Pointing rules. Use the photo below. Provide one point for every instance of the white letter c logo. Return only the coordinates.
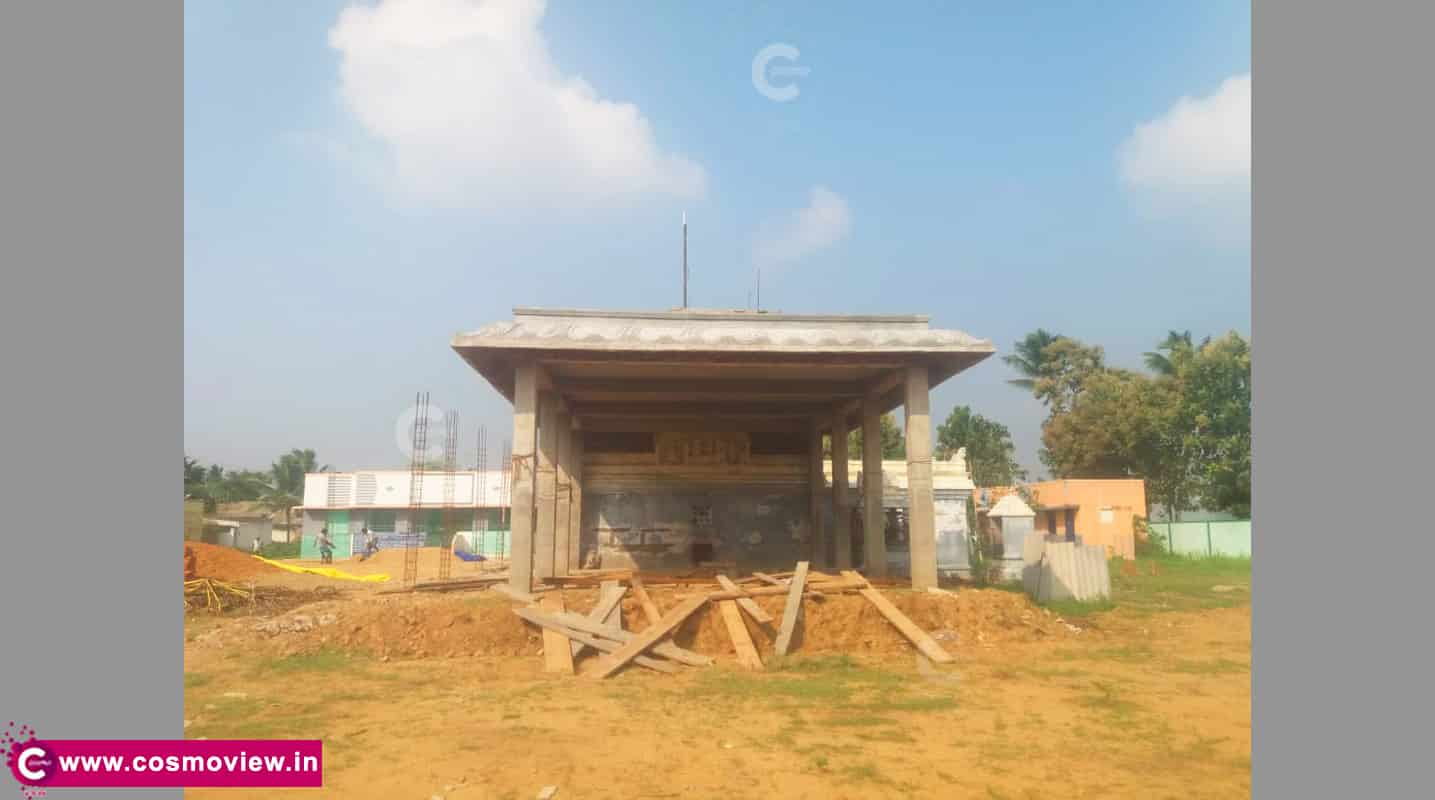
(22, 763)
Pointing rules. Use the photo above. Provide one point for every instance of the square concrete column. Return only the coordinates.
(563, 486)
(575, 497)
(520, 520)
(921, 509)
(546, 486)
(874, 518)
(817, 484)
(841, 512)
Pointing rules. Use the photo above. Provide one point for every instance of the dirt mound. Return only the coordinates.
(849, 623)
(225, 563)
(422, 626)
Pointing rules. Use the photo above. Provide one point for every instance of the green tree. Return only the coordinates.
(1028, 356)
(279, 500)
(287, 474)
(1214, 422)
(1063, 373)
(991, 456)
(1172, 353)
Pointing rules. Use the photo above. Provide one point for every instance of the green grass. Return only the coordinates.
(1182, 584)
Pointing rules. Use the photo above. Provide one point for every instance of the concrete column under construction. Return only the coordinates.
(841, 512)
(874, 517)
(817, 484)
(575, 497)
(545, 489)
(563, 486)
(525, 407)
(921, 520)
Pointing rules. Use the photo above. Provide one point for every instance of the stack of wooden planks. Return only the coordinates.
(568, 635)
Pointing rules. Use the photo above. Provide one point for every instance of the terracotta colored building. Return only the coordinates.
(1098, 510)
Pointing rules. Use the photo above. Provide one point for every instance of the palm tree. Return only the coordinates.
(1172, 350)
(278, 500)
(291, 467)
(1029, 357)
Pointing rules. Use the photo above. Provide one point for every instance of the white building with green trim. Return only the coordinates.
(470, 503)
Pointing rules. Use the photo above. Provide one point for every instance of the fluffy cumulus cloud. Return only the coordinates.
(1200, 143)
(470, 110)
(822, 223)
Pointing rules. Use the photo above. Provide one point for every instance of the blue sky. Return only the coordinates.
(363, 180)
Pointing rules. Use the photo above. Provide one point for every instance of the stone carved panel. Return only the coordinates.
(678, 449)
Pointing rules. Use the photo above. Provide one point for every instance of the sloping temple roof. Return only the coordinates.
(765, 360)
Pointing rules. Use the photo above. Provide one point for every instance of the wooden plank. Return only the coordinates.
(792, 610)
(811, 590)
(925, 643)
(610, 601)
(650, 609)
(616, 660)
(548, 623)
(747, 655)
(765, 578)
(746, 603)
(557, 652)
(667, 650)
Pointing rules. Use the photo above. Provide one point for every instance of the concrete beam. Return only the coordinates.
(841, 512)
(921, 511)
(525, 426)
(874, 517)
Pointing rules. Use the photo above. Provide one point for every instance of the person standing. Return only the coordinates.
(326, 546)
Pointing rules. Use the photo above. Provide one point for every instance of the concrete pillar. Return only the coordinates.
(546, 488)
(874, 518)
(921, 519)
(841, 512)
(563, 486)
(817, 484)
(525, 426)
(575, 498)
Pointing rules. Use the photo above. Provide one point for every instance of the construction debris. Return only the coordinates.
(568, 634)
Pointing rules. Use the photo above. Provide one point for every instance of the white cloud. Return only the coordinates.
(1200, 144)
(825, 221)
(472, 111)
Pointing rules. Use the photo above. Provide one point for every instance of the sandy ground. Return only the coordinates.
(1136, 703)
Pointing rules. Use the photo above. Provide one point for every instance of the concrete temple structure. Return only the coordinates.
(662, 440)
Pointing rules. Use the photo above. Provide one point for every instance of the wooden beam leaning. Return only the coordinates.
(650, 609)
(747, 604)
(607, 611)
(667, 650)
(768, 579)
(557, 652)
(616, 660)
(792, 610)
(747, 656)
(914, 633)
(549, 623)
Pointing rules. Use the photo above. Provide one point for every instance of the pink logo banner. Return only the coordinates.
(154, 763)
